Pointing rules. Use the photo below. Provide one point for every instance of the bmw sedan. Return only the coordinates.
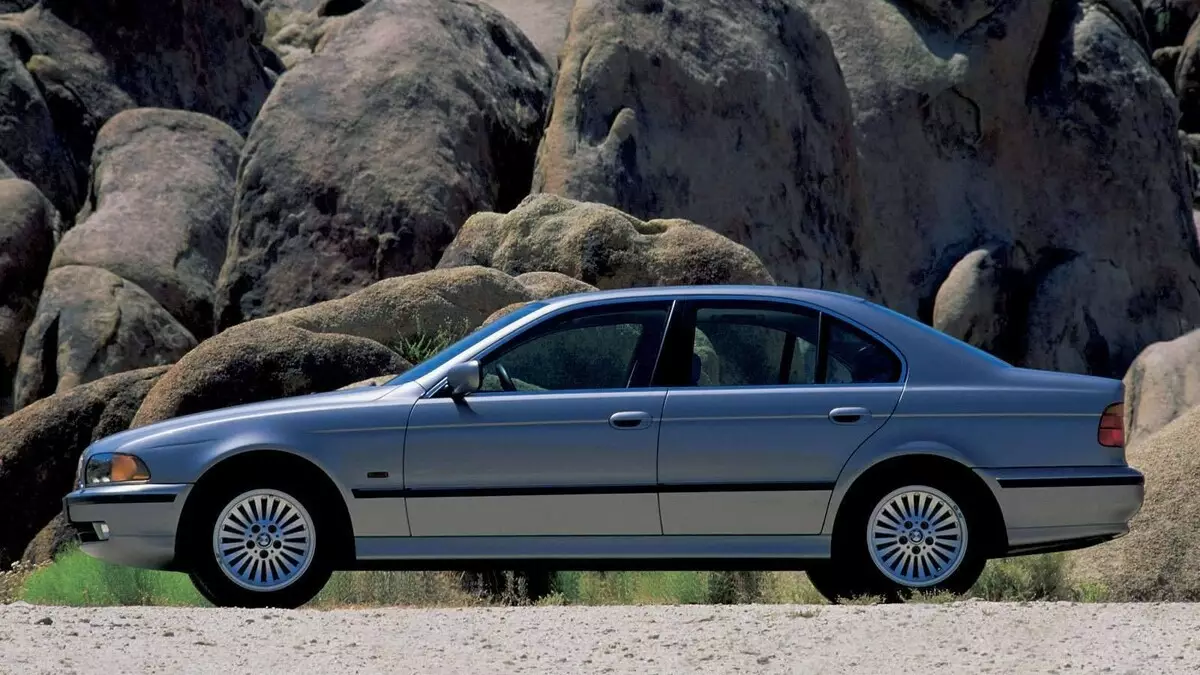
(658, 428)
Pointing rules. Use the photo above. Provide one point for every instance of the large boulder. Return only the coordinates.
(544, 21)
(159, 205)
(30, 147)
(601, 246)
(1162, 383)
(27, 232)
(543, 285)
(40, 447)
(441, 304)
(1036, 126)
(412, 115)
(90, 60)
(260, 361)
(1159, 560)
(729, 114)
(91, 323)
(1187, 81)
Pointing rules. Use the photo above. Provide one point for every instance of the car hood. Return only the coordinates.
(198, 427)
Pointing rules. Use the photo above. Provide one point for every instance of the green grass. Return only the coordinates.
(77, 579)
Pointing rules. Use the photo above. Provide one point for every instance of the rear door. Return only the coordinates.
(768, 401)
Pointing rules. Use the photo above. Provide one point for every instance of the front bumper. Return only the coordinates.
(128, 524)
(1065, 507)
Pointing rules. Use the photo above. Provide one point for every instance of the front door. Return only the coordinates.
(562, 439)
(778, 398)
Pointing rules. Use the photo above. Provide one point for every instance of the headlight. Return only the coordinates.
(113, 467)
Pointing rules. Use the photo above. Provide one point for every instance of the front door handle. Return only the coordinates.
(629, 420)
(849, 415)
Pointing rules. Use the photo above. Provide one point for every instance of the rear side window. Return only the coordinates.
(857, 358)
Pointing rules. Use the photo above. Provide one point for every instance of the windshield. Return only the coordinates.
(437, 360)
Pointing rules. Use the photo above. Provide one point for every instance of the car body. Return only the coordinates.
(704, 427)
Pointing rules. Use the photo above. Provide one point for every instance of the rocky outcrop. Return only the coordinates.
(1162, 383)
(440, 303)
(30, 147)
(368, 156)
(729, 114)
(544, 21)
(28, 225)
(40, 447)
(259, 361)
(79, 63)
(976, 301)
(601, 246)
(91, 323)
(543, 285)
(159, 205)
(1159, 560)
(1040, 127)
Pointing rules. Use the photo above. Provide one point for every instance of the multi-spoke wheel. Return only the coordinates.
(909, 534)
(263, 546)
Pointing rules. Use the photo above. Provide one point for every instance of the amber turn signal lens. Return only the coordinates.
(126, 468)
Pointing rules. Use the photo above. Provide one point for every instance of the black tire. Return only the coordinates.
(853, 572)
(218, 587)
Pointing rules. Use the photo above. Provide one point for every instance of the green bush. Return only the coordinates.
(78, 579)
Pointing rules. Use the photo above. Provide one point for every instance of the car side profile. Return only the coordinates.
(707, 427)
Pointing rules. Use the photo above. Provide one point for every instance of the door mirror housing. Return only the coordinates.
(464, 378)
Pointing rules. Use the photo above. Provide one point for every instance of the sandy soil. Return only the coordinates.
(970, 637)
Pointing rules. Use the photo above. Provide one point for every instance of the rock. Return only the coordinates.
(1034, 125)
(412, 115)
(500, 313)
(80, 63)
(544, 21)
(8, 6)
(259, 361)
(1162, 383)
(543, 285)
(371, 382)
(601, 246)
(1187, 82)
(40, 447)
(30, 147)
(446, 303)
(46, 544)
(91, 323)
(1167, 21)
(28, 224)
(1166, 61)
(976, 302)
(729, 114)
(161, 195)
(1159, 560)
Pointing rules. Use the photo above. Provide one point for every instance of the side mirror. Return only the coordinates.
(464, 378)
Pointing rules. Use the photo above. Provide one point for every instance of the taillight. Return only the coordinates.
(1112, 426)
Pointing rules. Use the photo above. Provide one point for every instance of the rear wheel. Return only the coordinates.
(260, 544)
(904, 535)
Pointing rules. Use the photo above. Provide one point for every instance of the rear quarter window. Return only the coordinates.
(854, 357)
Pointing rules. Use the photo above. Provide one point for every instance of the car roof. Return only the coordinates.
(813, 294)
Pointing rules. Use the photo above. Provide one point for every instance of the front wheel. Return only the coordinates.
(260, 546)
(904, 536)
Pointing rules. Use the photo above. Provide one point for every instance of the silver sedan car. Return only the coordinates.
(657, 428)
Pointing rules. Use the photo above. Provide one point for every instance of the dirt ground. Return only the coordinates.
(967, 637)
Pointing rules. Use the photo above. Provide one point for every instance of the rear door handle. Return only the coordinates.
(849, 415)
(630, 420)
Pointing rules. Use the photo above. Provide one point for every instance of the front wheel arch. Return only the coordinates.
(264, 461)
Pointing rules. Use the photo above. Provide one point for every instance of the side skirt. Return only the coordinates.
(619, 552)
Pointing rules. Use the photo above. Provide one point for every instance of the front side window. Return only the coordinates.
(597, 348)
(754, 346)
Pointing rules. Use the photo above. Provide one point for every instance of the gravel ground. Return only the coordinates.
(968, 637)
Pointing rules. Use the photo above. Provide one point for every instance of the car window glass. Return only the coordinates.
(857, 358)
(753, 347)
(608, 350)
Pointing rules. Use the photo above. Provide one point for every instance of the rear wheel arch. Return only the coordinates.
(934, 465)
(266, 460)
